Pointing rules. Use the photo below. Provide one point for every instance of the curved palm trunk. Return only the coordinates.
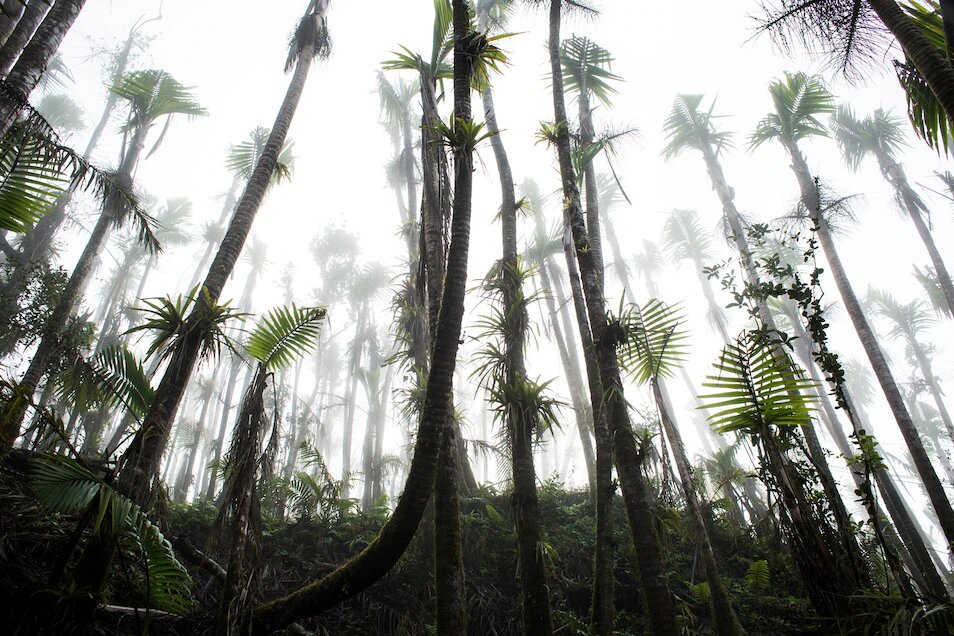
(894, 174)
(935, 490)
(636, 496)
(13, 417)
(381, 555)
(925, 365)
(22, 32)
(34, 59)
(520, 423)
(933, 65)
(726, 621)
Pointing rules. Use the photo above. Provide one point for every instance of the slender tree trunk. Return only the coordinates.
(659, 600)
(935, 490)
(726, 621)
(925, 365)
(34, 59)
(521, 426)
(22, 32)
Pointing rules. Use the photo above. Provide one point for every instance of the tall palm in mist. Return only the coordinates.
(636, 495)
(799, 100)
(880, 135)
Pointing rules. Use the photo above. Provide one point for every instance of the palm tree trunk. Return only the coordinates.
(935, 490)
(925, 365)
(636, 496)
(384, 551)
(21, 34)
(894, 174)
(149, 443)
(520, 424)
(34, 59)
(726, 621)
(13, 11)
(933, 65)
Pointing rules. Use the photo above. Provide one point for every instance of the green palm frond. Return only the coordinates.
(442, 37)
(875, 134)
(927, 116)
(284, 334)
(757, 576)
(799, 99)
(927, 278)
(169, 320)
(65, 486)
(153, 94)
(586, 68)
(754, 390)
(655, 342)
(243, 157)
(113, 377)
(908, 320)
(31, 179)
(688, 128)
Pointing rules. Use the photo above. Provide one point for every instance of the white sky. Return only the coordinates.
(233, 54)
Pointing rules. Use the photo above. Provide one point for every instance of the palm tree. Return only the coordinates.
(852, 32)
(654, 346)
(799, 100)
(9, 18)
(142, 458)
(880, 136)
(908, 322)
(282, 336)
(511, 383)
(636, 497)
(385, 550)
(151, 95)
(34, 59)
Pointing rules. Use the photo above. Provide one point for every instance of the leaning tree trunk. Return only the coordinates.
(66, 304)
(726, 621)
(636, 495)
(932, 484)
(384, 551)
(24, 29)
(894, 174)
(933, 64)
(521, 424)
(34, 59)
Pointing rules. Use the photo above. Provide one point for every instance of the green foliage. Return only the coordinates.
(654, 344)
(284, 335)
(755, 389)
(586, 68)
(31, 179)
(757, 576)
(877, 134)
(243, 157)
(688, 128)
(113, 377)
(170, 321)
(799, 99)
(62, 113)
(66, 487)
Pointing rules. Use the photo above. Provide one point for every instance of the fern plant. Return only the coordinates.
(65, 486)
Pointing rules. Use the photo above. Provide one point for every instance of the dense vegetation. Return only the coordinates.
(166, 468)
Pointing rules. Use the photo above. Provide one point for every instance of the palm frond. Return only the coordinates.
(586, 68)
(654, 343)
(284, 334)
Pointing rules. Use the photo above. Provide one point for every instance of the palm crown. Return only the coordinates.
(799, 99)
(586, 68)
(687, 127)
(153, 94)
(879, 134)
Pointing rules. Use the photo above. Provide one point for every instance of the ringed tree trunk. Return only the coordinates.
(23, 30)
(636, 495)
(10, 16)
(34, 59)
(520, 422)
(932, 484)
